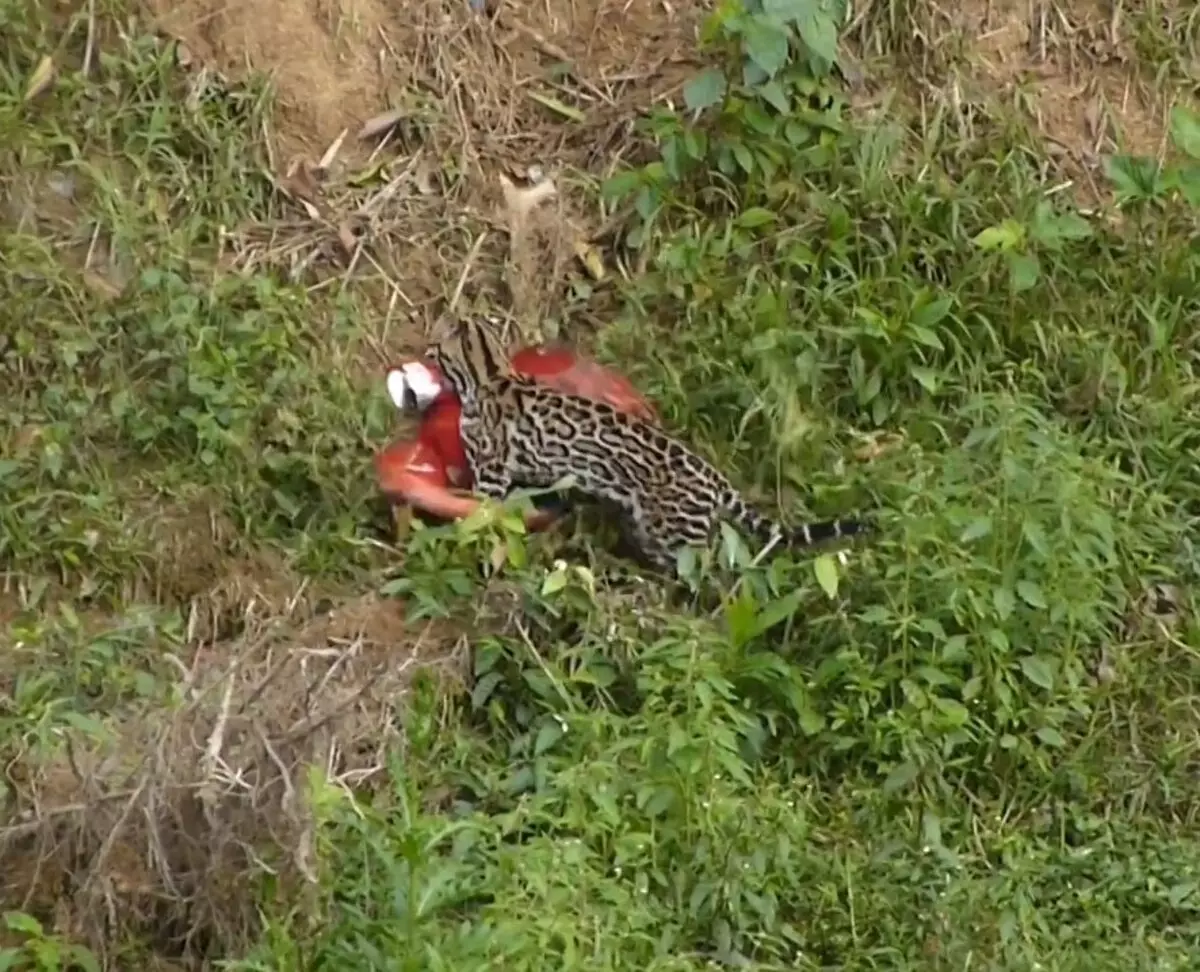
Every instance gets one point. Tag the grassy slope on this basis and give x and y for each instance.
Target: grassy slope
(980, 755)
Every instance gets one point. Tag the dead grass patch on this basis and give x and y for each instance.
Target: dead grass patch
(446, 101)
(160, 830)
(1070, 68)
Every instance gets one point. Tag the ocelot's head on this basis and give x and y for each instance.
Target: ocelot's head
(470, 352)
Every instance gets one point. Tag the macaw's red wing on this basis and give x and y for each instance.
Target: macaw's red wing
(568, 372)
(429, 472)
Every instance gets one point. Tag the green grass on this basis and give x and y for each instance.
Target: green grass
(980, 752)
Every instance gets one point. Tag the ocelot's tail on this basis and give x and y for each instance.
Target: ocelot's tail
(748, 519)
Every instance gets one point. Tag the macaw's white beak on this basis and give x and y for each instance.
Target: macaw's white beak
(412, 386)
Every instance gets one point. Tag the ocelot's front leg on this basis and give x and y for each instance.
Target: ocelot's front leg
(486, 455)
(489, 470)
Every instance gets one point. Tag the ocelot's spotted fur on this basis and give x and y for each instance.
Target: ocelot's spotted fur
(517, 432)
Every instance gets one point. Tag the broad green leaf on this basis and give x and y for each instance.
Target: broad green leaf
(86, 724)
(1185, 131)
(18, 921)
(1005, 236)
(818, 29)
(954, 710)
(825, 567)
(744, 157)
(1035, 537)
(1031, 594)
(926, 377)
(766, 44)
(555, 581)
(1134, 177)
(931, 313)
(740, 616)
(924, 336)
(1051, 229)
(778, 610)
(704, 90)
(900, 777)
(1038, 671)
(550, 733)
(754, 217)
(1051, 737)
(1187, 178)
(1004, 602)
(483, 689)
(1023, 271)
(774, 95)
(977, 529)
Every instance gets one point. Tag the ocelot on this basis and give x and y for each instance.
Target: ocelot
(516, 432)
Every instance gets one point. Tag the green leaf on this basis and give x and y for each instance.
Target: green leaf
(484, 688)
(954, 710)
(927, 377)
(1002, 237)
(18, 921)
(754, 217)
(396, 586)
(817, 28)
(1004, 602)
(1051, 737)
(740, 616)
(1051, 229)
(606, 803)
(1038, 671)
(555, 581)
(1023, 271)
(85, 724)
(83, 958)
(1135, 177)
(778, 610)
(704, 90)
(550, 733)
(811, 721)
(977, 529)
(1185, 131)
(773, 94)
(1187, 178)
(926, 337)
(825, 567)
(766, 43)
(900, 777)
(1031, 594)
(931, 313)
(744, 157)
(1035, 537)
(617, 187)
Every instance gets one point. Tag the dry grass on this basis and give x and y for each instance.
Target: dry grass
(161, 827)
(396, 129)
(1070, 70)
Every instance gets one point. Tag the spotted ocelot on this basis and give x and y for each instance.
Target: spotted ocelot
(519, 433)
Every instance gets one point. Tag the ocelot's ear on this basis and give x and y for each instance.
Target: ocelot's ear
(502, 332)
(444, 327)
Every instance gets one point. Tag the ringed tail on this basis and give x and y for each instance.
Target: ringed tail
(797, 537)
(811, 534)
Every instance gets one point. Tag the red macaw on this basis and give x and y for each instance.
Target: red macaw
(430, 472)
